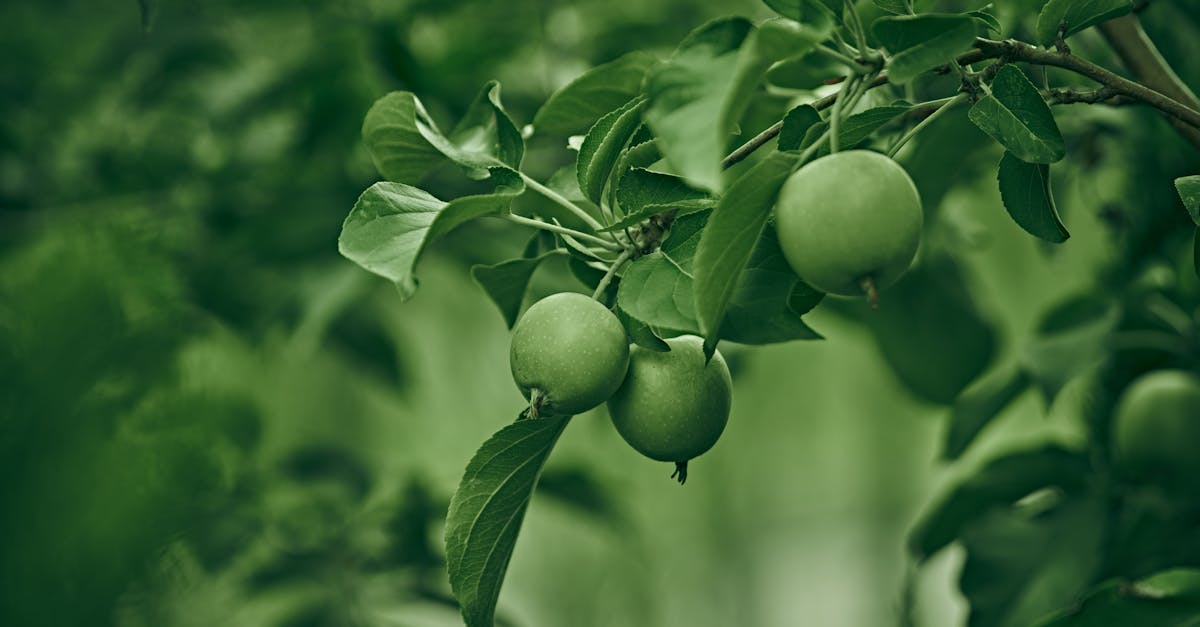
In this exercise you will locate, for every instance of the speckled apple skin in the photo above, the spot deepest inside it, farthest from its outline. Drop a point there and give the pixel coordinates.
(573, 349)
(846, 217)
(672, 407)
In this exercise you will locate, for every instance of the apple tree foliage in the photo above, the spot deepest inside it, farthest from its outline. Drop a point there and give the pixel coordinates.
(666, 217)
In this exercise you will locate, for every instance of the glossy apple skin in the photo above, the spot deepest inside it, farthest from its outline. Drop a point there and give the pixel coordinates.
(1156, 430)
(672, 406)
(846, 217)
(573, 349)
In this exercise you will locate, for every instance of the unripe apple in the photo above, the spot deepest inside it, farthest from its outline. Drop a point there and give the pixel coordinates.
(1156, 433)
(572, 350)
(849, 223)
(673, 406)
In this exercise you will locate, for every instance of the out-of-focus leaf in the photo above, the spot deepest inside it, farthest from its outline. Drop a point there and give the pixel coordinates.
(895, 7)
(1025, 191)
(487, 510)
(1072, 338)
(931, 330)
(697, 97)
(1015, 115)
(998, 484)
(1024, 563)
(807, 11)
(603, 146)
(1147, 602)
(576, 488)
(507, 281)
(1078, 15)
(922, 42)
(1189, 192)
(573, 109)
(392, 223)
(730, 236)
(975, 408)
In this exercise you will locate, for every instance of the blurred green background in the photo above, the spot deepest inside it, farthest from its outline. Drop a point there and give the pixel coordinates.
(207, 417)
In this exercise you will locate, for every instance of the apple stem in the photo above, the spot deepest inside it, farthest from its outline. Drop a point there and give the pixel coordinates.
(536, 398)
(871, 290)
(680, 473)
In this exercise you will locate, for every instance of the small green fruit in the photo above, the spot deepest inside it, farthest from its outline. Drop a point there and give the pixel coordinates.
(672, 406)
(570, 348)
(849, 223)
(1157, 427)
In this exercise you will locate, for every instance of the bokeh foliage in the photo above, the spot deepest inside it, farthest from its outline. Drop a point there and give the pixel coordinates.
(208, 417)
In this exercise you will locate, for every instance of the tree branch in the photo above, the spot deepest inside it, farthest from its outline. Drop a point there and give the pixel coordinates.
(756, 142)
(1103, 95)
(1012, 50)
(1141, 57)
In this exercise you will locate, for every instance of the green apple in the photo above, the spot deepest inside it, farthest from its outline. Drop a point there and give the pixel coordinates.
(1156, 432)
(673, 406)
(572, 350)
(849, 223)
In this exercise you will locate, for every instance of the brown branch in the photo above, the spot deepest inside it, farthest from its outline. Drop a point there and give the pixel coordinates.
(1184, 116)
(1012, 50)
(1103, 95)
(1143, 60)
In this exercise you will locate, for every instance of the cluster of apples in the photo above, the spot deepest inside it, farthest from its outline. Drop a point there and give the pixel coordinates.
(570, 353)
(849, 223)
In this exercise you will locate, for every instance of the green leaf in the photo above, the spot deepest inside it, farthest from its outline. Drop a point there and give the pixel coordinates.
(808, 72)
(987, 21)
(804, 298)
(760, 310)
(397, 146)
(657, 288)
(507, 281)
(795, 124)
(640, 333)
(1189, 192)
(574, 108)
(999, 484)
(1118, 604)
(807, 11)
(1071, 339)
(731, 235)
(697, 97)
(856, 128)
(932, 331)
(1016, 116)
(1025, 191)
(1078, 14)
(405, 143)
(640, 187)
(897, 7)
(1027, 561)
(679, 207)
(1196, 252)
(975, 408)
(391, 224)
(922, 42)
(487, 510)
(603, 145)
